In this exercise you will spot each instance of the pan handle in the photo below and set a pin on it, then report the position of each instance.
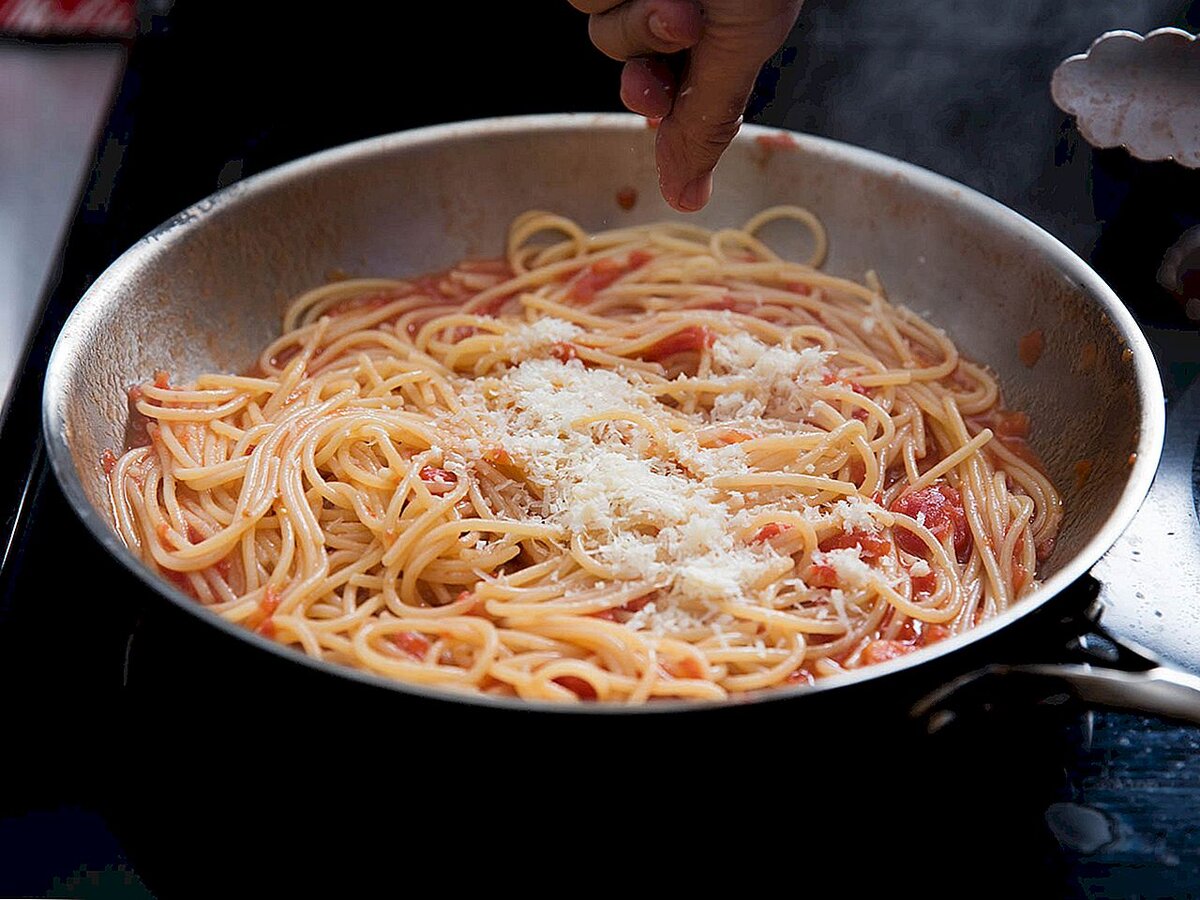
(1155, 691)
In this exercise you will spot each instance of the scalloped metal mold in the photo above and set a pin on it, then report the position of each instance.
(1140, 93)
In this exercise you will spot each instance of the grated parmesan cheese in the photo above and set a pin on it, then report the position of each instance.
(540, 335)
(640, 500)
(848, 565)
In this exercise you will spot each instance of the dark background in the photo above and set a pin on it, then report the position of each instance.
(167, 762)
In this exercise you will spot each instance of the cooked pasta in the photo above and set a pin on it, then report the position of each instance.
(653, 462)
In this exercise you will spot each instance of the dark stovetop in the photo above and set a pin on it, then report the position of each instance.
(115, 714)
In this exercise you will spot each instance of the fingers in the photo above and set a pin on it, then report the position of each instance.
(644, 27)
(648, 87)
(705, 118)
(591, 7)
(710, 100)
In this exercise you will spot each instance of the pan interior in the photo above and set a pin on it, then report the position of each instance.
(206, 291)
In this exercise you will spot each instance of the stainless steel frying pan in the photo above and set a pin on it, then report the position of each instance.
(205, 292)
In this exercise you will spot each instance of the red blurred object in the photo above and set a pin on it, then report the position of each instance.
(68, 18)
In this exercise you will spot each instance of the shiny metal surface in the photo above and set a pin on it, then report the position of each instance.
(205, 291)
(1136, 92)
(1151, 577)
(53, 101)
(1158, 691)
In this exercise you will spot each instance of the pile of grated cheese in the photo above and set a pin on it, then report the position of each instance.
(642, 502)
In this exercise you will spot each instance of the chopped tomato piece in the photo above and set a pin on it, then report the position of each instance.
(769, 531)
(687, 667)
(109, 461)
(634, 605)
(604, 272)
(882, 651)
(411, 642)
(922, 634)
(580, 687)
(872, 544)
(858, 470)
(923, 584)
(261, 620)
(638, 603)
(939, 507)
(564, 352)
(596, 278)
(1031, 346)
(931, 634)
(437, 476)
(639, 258)
(1011, 424)
(162, 379)
(821, 576)
(690, 339)
(627, 198)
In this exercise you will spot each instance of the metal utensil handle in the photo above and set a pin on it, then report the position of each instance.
(1158, 691)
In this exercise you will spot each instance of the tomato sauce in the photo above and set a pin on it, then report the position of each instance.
(691, 339)
(940, 508)
(603, 273)
(872, 545)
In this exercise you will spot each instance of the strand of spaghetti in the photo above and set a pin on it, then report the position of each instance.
(952, 461)
(784, 479)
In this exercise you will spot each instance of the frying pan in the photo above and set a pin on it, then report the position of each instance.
(205, 291)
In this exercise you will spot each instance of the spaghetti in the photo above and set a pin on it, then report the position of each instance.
(652, 462)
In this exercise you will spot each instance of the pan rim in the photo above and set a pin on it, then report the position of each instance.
(157, 241)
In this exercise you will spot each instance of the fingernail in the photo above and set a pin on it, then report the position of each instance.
(660, 28)
(696, 193)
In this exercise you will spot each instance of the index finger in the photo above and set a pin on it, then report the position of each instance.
(722, 67)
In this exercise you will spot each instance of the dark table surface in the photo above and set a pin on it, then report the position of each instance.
(1080, 805)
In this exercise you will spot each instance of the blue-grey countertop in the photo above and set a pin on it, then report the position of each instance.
(53, 100)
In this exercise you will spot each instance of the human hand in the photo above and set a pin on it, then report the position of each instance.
(718, 47)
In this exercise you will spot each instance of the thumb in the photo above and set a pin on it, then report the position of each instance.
(708, 107)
